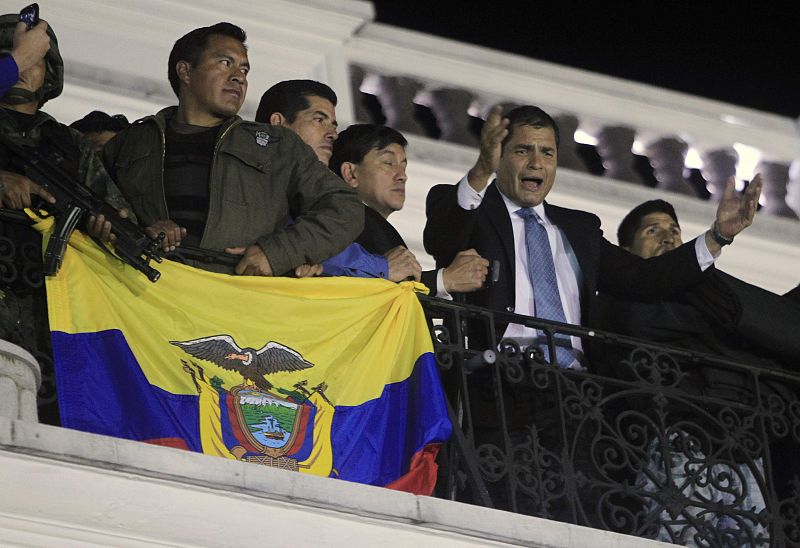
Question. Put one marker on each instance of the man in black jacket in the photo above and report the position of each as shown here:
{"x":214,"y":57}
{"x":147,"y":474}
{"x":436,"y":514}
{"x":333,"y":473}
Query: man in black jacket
{"x":372,"y":159}
{"x":721,"y":315}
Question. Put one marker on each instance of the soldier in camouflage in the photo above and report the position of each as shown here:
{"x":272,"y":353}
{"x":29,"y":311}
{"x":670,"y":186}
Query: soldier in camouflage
{"x":22,"y":120}
{"x":23,"y":318}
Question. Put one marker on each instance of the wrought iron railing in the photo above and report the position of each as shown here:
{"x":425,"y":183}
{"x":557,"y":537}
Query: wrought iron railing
{"x":23,"y":310}
{"x":647,"y":440}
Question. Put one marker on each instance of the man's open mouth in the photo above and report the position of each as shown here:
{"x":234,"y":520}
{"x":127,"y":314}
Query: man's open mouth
{"x":534,"y":182}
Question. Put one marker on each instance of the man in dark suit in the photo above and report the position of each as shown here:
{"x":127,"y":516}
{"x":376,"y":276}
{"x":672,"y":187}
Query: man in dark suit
{"x":720,"y":315}
{"x":372,"y":159}
{"x":499,"y":220}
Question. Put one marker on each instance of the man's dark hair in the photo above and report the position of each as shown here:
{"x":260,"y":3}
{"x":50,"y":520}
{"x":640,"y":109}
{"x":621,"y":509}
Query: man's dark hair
{"x":290,"y":97}
{"x":100,"y":121}
{"x":190,"y":48}
{"x":356,"y":141}
{"x":529,"y":115}
{"x":633,"y":220}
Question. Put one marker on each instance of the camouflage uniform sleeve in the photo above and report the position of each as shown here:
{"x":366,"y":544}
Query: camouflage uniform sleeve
{"x":97,"y":179}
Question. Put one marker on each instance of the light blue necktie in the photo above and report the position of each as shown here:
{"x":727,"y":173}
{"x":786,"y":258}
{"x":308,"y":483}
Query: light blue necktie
{"x":542,"y":273}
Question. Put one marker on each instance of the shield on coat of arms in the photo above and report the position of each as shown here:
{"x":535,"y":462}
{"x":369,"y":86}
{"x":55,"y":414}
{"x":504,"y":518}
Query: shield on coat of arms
{"x":269,"y":422}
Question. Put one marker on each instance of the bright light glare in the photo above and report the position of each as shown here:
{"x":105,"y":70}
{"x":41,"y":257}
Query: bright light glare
{"x":693,"y":160}
{"x":584,"y":138}
{"x":748,"y":160}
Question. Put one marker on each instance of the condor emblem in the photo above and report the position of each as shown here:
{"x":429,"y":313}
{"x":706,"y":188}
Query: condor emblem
{"x":256,"y":421}
{"x":250,"y":363}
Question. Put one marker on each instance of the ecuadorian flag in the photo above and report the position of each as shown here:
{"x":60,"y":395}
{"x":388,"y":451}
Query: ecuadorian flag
{"x":326,"y":376}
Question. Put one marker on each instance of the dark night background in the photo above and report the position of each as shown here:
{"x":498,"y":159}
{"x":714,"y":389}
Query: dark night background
{"x":745,"y":54}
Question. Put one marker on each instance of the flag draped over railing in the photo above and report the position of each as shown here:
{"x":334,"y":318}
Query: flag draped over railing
{"x":327,"y":376}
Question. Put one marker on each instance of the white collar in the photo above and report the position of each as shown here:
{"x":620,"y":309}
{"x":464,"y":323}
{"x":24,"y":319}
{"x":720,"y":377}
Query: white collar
{"x":513,"y":207}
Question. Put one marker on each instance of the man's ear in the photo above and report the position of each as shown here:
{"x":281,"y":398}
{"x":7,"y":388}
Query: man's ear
{"x":277,"y":119}
{"x":349,"y":174}
{"x":183,"y":68}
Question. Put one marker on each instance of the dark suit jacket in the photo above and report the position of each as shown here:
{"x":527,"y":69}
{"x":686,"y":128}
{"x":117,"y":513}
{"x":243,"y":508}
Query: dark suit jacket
{"x":721,"y":315}
{"x":603,"y":266}
{"x":379,"y":236}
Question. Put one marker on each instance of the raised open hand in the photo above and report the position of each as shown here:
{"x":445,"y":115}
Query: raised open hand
{"x":736,"y":212}
{"x":495,"y":129}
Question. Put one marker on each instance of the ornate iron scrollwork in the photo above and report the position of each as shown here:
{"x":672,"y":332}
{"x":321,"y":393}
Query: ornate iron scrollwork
{"x":675,"y":446}
{"x":23,"y":311}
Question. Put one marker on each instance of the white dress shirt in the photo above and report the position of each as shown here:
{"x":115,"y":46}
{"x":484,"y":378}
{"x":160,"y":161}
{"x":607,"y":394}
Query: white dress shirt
{"x":564,"y":260}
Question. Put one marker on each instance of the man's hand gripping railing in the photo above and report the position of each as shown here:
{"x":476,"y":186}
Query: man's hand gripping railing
{"x":74,"y":204}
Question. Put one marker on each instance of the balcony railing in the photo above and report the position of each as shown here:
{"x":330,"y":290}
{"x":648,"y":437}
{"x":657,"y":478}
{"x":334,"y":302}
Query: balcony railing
{"x":648,"y":441}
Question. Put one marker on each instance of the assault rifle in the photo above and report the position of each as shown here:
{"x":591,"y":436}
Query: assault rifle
{"x":182,"y":254}
{"x":75,"y":203}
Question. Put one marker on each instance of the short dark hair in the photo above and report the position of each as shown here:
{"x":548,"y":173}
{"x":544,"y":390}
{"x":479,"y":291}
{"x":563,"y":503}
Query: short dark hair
{"x":190,"y":48}
{"x":529,"y":115}
{"x":633,"y":220}
{"x":100,"y":121}
{"x":356,"y":141}
{"x":290,"y":97}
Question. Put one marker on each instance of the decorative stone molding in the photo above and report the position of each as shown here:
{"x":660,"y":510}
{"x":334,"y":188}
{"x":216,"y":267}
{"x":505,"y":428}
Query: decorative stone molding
{"x":596,"y":99}
{"x":62,"y":487}
{"x":19,"y":380}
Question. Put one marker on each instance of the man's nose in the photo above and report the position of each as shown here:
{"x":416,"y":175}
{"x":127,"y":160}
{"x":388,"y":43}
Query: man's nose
{"x":331,"y":133}
{"x":401,"y":174}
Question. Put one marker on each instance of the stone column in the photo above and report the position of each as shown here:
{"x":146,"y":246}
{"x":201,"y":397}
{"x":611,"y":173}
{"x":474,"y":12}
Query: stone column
{"x":396,"y":95}
{"x":450,"y":107}
{"x":668,"y":158}
{"x":718,"y":166}
{"x":615,"y":147}
{"x":357,"y":75}
{"x":793,"y":188}
{"x":776,"y":177}
{"x":19,"y":381}
{"x":567,"y":148}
